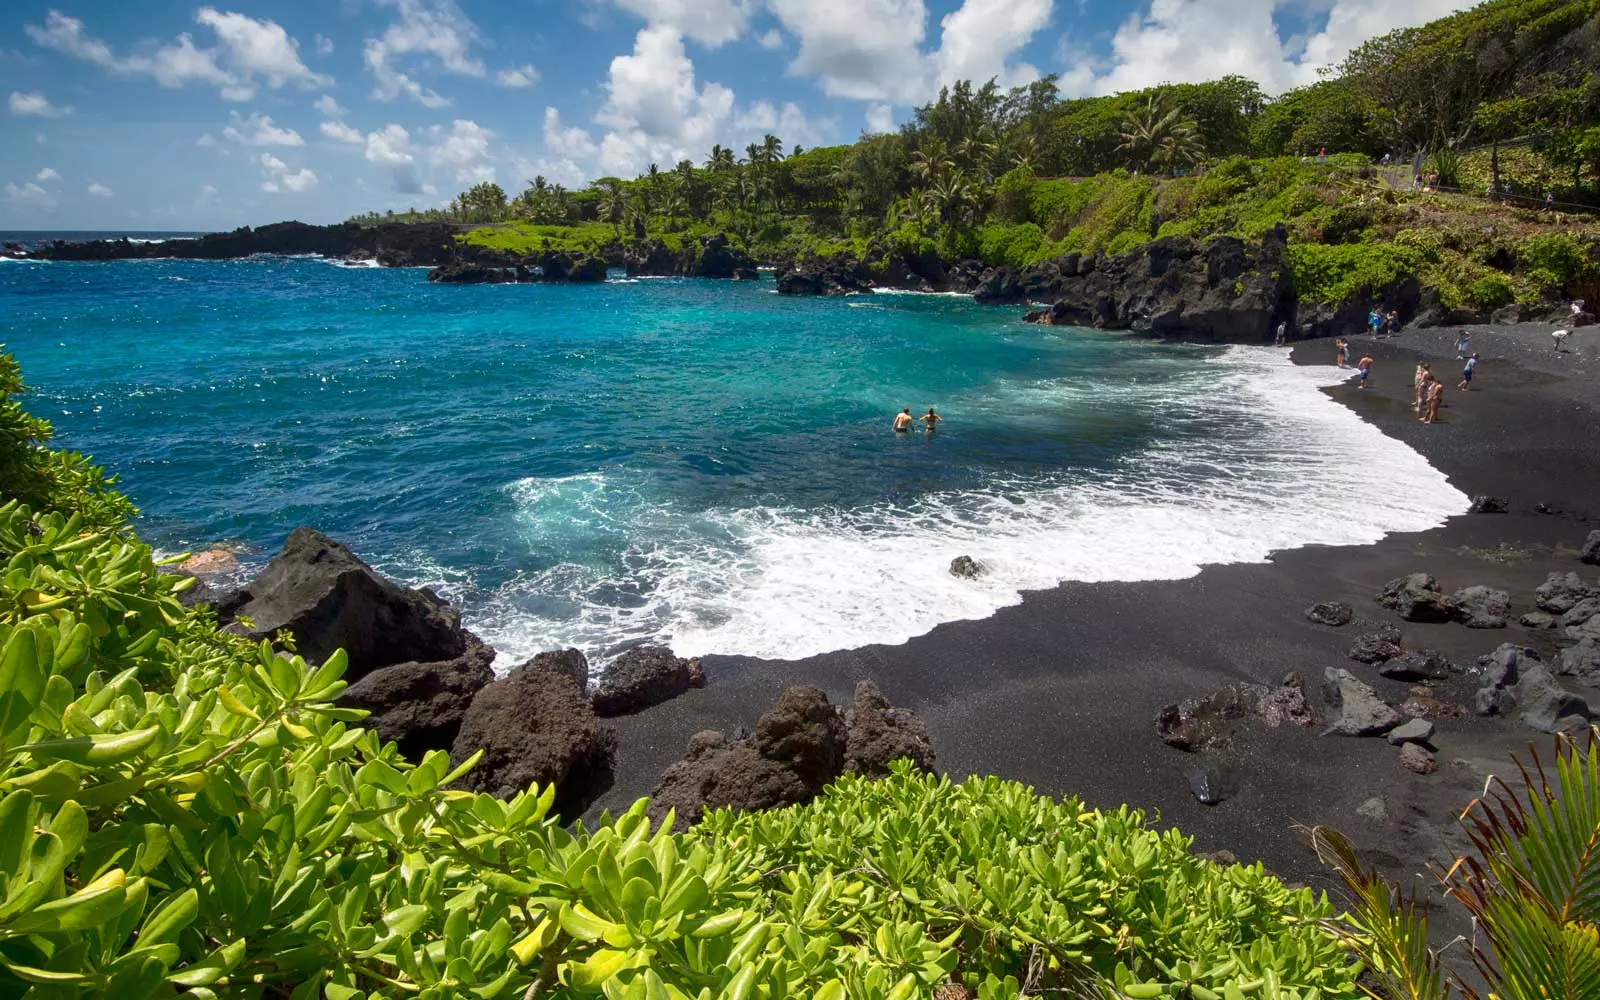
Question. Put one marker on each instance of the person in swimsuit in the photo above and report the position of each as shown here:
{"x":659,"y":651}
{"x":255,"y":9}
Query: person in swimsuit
{"x":1424,"y":383}
{"x":903,"y":421}
{"x":1341,"y":351}
{"x":1365,"y":366}
{"x":930,"y":419}
{"x":1435,"y":396}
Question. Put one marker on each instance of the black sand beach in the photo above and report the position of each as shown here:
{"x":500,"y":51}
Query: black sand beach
{"x":1062,"y":691}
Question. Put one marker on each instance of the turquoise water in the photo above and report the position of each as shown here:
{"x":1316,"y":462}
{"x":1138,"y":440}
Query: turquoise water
{"x":703,"y":463}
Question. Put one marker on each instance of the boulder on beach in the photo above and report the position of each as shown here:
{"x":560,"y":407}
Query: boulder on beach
{"x":1418,"y":759}
{"x":1423,"y":706}
{"x":1376,"y":647}
{"x":535,"y":726}
{"x":1488,"y":505}
{"x":1500,"y":671}
{"x":967,"y":568}
{"x":1417,"y":665}
{"x":1546,"y":706}
{"x":642,"y":677}
{"x":1561,"y":592}
{"x":1591,"y":549}
{"x":420,"y":705}
{"x":1361,"y":711}
{"x":1331,"y":613}
{"x":1538,"y":620}
{"x":1197,"y":723}
{"x":329,"y":599}
{"x":1480,"y":607}
{"x":1411,"y":731}
{"x":1581,"y":661}
{"x":1417,"y":598}
{"x":799,"y":746}
{"x":1210,"y":782}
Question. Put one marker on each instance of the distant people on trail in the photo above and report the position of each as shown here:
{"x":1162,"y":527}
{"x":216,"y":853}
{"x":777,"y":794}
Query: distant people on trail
{"x":1386,"y":159}
{"x":1560,"y":337}
{"x":1549,"y":201}
{"x":903,"y":421}
{"x":1282,"y":336}
{"x":1466,"y":373}
{"x":930,"y":419}
{"x":1463,"y":341}
{"x":1365,"y":368}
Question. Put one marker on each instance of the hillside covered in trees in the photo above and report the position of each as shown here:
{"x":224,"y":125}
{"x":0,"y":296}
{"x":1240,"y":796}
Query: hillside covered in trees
{"x":1504,"y":98}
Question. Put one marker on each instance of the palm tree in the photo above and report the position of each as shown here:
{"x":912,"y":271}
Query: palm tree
{"x":931,"y":162}
{"x":949,"y":197}
{"x":613,"y":203}
{"x":721,"y":159}
{"x":1157,"y":136}
{"x":771,"y":148}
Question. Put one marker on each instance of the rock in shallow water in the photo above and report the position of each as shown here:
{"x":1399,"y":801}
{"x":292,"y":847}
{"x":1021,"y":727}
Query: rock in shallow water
{"x":967,"y":568}
{"x":1488,"y":505}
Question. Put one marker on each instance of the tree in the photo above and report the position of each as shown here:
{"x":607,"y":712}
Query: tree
{"x":613,"y":204}
{"x":1157,"y":136}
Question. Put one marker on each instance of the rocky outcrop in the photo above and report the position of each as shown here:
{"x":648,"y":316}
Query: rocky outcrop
{"x":642,"y":677}
{"x":967,"y":568}
{"x":328,"y":599}
{"x":1500,"y":672}
{"x":713,"y":256}
{"x":1361,"y":711}
{"x":535,"y":726}
{"x":840,"y":276}
{"x":1561,"y":592}
{"x":1480,"y":607}
{"x":1590,"y":552}
{"x":1417,"y":598}
{"x":391,"y":244}
{"x":420,"y":705}
{"x":477,"y":267}
{"x":1222,"y":290}
{"x":878,"y":734}
{"x":1197,"y":723}
{"x":799,"y":746}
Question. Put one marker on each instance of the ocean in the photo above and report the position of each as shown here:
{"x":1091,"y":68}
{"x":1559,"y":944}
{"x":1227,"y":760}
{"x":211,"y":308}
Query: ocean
{"x":697,"y":463}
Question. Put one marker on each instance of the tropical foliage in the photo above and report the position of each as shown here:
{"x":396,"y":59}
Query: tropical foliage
{"x":1531,"y":883}
{"x":185,"y":812}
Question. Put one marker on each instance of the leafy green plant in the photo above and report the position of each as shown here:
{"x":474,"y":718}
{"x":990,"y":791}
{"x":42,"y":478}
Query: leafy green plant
{"x":1531,"y":883}
{"x":1342,"y":273}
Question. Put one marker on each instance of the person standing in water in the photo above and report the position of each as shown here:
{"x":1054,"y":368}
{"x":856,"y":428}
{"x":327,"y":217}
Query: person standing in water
{"x":1435,"y":396}
{"x":930,"y":419}
{"x":903,"y":421}
{"x":1365,"y":367}
{"x":1282,"y":336}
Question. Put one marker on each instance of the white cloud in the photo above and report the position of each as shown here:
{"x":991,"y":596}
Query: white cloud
{"x":709,"y":22}
{"x":880,"y":119}
{"x":517,"y":76}
{"x":865,"y":49}
{"x":280,"y":177}
{"x":572,"y":143}
{"x":207,"y":197}
{"x":324,"y":45}
{"x":563,"y":170}
{"x":328,"y":106}
{"x":98,"y":190}
{"x":47,"y":174}
{"x":655,"y":112}
{"x":426,"y":28}
{"x":258,"y":130}
{"x":260,"y":49}
{"x":1183,"y":41}
{"x":253,"y":50}
{"x":772,"y":40}
{"x":30,"y":195}
{"x":789,"y":123}
{"x":977,"y":41}
{"x":207,"y":141}
{"x":36,"y":104}
{"x":340,"y":132}
{"x":464,"y":147}
{"x":390,"y":148}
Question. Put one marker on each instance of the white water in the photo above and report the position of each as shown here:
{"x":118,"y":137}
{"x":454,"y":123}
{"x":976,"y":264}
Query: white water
{"x":776,"y":583}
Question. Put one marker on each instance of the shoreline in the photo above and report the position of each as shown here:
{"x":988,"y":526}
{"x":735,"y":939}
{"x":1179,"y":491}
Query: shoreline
{"x":1062,"y":690}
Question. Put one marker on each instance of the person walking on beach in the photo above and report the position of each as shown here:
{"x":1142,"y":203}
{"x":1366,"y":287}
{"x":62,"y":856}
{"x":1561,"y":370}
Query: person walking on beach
{"x":1560,"y":337}
{"x":1466,"y":373}
{"x":1435,"y":396}
{"x":1463,"y":341}
{"x":930,"y":419}
{"x":1341,"y":351}
{"x":903,"y":421}
{"x":1365,"y":367}
{"x":1419,"y":383}
{"x":1282,"y":336}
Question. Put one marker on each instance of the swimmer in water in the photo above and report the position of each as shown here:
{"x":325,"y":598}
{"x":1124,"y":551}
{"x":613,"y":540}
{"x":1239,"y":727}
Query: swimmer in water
{"x":930,"y":420}
{"x":903,"y":421}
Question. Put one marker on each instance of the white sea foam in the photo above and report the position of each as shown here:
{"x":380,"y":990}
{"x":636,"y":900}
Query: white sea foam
{"x":1283,"y":466}
{"x":915,"y":291}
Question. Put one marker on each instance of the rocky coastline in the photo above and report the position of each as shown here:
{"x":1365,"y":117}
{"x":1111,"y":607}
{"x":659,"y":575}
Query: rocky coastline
{"x":1221,"y":290}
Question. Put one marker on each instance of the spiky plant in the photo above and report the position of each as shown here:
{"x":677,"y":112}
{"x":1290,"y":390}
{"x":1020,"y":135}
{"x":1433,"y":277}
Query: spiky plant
{"x":1531,"y":884}
{"x":1157,"y":136}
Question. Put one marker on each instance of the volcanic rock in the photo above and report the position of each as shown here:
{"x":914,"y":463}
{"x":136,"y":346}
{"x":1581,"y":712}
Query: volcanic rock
{"x":1418,"y":759}
{"x":1487,"y":505}
{"x":1561,"y":592}
{"x":642,"y":677}
{"x":328,"y":599}
{"x":1481,"y":607}
{"x":1209,"y":782}
{"x":1591,"y":549}
{"x":1411,"y":731}
{"x":1361,"y":711}
{"x":1581,"y":661}
{"x":1196,"y":723}
{"x":880,"y":734}
{"x":420,"y":705}
{"x":1423,"y":706}
{"x":1331,"y":613}
{"x":535,"y":726}
{"x":1418,"y":665}
{"x":1547,"y":706}
{"x":1417,"y":598}
{"x":967,"y":568}
{"x":1376,"y":647}
{"x":1538,"y":620}
{"x":1500,"y":671}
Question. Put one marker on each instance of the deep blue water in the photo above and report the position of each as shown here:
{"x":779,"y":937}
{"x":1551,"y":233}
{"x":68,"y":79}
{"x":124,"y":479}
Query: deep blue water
{"x":703,"y":463}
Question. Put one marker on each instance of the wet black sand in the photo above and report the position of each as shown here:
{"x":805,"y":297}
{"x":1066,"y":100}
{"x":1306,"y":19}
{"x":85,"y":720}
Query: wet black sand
{"x":1062,"y":691}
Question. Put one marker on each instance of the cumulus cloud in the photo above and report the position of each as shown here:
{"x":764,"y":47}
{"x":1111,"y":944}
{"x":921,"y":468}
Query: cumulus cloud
{"x":340,"y":132}
{"x":328,"y":106}
{"x":37,"y":105}
{"x":880,"y":119}
{"x":709,"y":22}
{"x":788,"y":122}
{"x":517,"y":76}
{"x":256,"y":52}
{"x":654,"y":109}
{"x":206,"y":197}
{"x":324,"y":45}
{"x":98,"y":190}
{"x":258,"y":130}
{"x":207,"y":141}
{"x":390,"y":148}
{"x":863,"y":49}
{"x":30,"y":195}
{"x":772,"y":40}
{"x":559,"y":170}
{"x":1182,"y":41}
{"x":47,"y":174}
{"x":571,"y":143}
{"x":435,"y":31}
{"x":280,"y":177}
{"x":977,"y":41}
{"x":463,"y":147}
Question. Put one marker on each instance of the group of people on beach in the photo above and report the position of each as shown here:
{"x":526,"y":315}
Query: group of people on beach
{"x":1427,"y":388}
{"x":905,"y":423}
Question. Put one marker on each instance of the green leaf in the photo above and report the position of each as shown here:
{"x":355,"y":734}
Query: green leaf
{"x":213,"y":967}
{"x":173,"y":914}
{"x":98,"y":903}
{"x":16,"y":831}
{"x":22,"y":680}
{"x":405,"y":920}
{"x":102,"y":748}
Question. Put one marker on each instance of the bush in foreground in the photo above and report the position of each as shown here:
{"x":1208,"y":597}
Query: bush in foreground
{"x":184,"y":812}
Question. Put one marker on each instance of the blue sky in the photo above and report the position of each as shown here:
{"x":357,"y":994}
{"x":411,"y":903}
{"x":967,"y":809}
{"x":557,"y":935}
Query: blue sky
{"x":159,"y":114}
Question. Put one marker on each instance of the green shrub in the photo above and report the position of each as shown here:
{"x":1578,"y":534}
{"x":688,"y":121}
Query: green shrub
{"x":1342,"y":273}
{"x":182,"y":811}
{"x":1552,"y":260}
{"x":1014,"y":246}
{"x":1489,"y":292}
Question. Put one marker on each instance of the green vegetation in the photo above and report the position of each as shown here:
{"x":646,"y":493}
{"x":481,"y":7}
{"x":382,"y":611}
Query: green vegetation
{"x":1531,"y":883}
{"x":182,"y":811}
